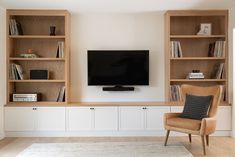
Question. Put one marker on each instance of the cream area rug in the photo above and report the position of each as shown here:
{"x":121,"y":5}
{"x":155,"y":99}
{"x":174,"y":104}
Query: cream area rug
{"x":106,"y":149}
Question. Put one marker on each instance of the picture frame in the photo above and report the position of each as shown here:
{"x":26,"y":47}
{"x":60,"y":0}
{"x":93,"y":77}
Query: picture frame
{"x":205,"y":29}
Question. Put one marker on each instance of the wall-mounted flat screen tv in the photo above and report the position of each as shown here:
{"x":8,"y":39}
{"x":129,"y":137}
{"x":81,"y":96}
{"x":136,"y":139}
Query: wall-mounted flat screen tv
{"x":118,"y":67}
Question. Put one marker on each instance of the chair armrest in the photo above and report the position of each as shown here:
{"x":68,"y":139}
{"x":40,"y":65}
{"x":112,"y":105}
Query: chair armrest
{"x":208,"y":126}
{"x":169,"y":115}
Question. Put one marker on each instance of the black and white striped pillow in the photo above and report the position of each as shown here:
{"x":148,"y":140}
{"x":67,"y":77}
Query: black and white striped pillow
{"x":196,"y":107}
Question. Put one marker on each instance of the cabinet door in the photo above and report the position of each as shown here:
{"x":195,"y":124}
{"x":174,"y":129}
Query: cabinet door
{"x":19,"y":119}
{"x":154,"y":117}
{"x":50,"y":118}
{"x":80,"y":118}
{"x":131,"y":118}
{"x":224,"y":118}
{"x":106,"y":118}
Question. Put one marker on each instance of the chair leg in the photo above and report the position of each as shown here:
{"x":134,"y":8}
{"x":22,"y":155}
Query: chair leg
{"x":203,"y":144}
{"x":167,"y":135}
{"x":207,"y":140}
{"x":190,"y":138}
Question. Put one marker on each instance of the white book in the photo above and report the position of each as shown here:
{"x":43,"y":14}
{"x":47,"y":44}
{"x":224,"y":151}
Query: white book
{"x":216,"y":49}
{"x":172,"y":49}
{"x":224,"y":48}
{"x":12,"y":72}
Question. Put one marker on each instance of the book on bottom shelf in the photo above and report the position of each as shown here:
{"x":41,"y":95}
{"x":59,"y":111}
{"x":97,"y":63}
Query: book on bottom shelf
{"x":61,"y":95}
{"x":176,"y":94}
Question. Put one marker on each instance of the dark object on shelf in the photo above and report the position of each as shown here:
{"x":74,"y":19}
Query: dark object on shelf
{"x":118,"y":88}
{"x":52,"y":30}
{"x":26,"y":97}
{"x":39,"y":74}
{"x":211,"y":50}
{"x":196,"y":71}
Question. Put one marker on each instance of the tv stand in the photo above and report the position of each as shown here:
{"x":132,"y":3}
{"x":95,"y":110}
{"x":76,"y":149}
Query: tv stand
{"x":118,"y":88}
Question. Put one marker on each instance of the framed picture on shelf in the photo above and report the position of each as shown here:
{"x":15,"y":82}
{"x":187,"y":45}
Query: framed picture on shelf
{"x":205,"y":29}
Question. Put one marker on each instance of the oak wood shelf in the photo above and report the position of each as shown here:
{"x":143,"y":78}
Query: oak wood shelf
{"x":36,"y":26}
{"x":36,"y":37}
{"x":198,"y":58}
{"x":98,"y":104}
{"x":198,"y":80}
{"x":182,"y":26}
{"x":36,"y":59}
{"x":197,"y":36}
{"x":37,"y":81}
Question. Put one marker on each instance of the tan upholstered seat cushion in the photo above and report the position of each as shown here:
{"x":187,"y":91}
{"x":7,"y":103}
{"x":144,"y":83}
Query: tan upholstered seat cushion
{"x":184,"y":123}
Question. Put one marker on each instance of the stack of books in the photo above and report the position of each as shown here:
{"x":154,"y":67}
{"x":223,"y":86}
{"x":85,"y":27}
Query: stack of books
{"x":176,"y":50}
{"x":16,"y":72}
{"x":218,"y":71}
{"x":176,"y":94}
{"x":193,"y":75}
{"x":15,"y":27}
{"x":61,"y":95}
{"x":28,"y":55}
{"x":60,"y":50}
{"x":217,"y":49}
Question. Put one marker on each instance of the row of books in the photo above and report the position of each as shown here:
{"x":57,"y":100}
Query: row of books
{"x":176,"y":94}
{"x":217,"y":49}
{"x":16,"y":72}
{"x":61,"y":95}
{"x":176,"y":50}
{"x":60,"y":50}
{"x":15,"y":27}
{"x":218,"y":71}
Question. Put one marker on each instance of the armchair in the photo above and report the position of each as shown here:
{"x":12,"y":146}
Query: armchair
{"x":204,"y":127}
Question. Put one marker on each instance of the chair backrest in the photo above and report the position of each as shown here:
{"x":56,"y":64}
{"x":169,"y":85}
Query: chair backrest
{"x":215,"y":91}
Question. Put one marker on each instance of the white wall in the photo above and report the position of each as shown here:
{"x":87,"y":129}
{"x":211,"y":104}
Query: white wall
{"x":117,"y":31}
{"x":2,"y":67}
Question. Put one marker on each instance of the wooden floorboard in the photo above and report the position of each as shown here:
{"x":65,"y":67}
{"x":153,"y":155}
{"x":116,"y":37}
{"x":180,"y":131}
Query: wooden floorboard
{"x":219,"y":146}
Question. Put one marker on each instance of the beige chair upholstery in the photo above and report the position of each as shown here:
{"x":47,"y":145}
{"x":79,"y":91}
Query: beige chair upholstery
{"x":204,"y":127}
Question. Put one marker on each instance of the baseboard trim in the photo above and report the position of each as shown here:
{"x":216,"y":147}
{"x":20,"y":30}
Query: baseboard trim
{"x":101,"y":134}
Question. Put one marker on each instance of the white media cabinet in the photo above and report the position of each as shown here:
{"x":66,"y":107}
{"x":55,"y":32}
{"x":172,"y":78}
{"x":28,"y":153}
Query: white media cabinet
{"x":88,"y":120}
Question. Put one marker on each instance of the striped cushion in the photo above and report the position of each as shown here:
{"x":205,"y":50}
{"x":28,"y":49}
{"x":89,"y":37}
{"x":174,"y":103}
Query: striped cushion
{"x":196,"y":107}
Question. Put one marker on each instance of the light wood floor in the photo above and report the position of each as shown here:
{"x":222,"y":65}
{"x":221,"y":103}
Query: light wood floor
{"x":219,"y":146}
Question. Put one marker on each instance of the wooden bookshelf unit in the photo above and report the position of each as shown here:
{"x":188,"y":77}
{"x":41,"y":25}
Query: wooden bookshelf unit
{"x":36,"y":36}
{"x":182,"y":27}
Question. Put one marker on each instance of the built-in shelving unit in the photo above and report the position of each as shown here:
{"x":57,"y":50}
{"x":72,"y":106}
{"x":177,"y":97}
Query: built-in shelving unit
{"x":36,"y":36}
{"x":182,"y":27}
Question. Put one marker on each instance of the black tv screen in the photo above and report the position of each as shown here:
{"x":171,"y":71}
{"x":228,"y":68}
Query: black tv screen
{"x":118,"y":67}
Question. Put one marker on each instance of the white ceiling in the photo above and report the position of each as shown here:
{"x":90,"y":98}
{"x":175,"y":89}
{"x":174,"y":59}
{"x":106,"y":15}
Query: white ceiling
{"x":117,"y":5}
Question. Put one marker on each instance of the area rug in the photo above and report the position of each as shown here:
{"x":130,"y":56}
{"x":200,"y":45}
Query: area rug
{"x":106,"y":149}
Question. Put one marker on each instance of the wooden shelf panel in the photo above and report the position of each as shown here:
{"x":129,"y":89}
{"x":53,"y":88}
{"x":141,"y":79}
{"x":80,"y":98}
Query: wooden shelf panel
{"x":97,"y":104}
{"x":197,"y":36}
{"x":36,"y":81}
{"x":197,"y":80}
{"x":36,"y":59}
{"x":39,"y":104}
{"x":199,"y":58}
{"x":36,"y":36}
